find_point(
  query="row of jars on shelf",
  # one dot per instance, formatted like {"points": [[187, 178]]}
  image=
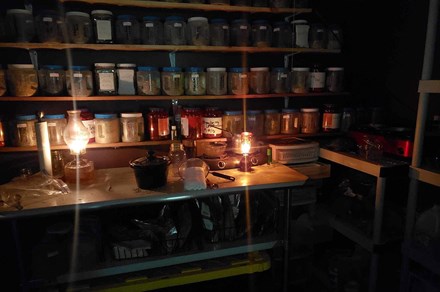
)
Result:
{"points": [[128, 79], [195, 123], [101, 27], [255, 3]]}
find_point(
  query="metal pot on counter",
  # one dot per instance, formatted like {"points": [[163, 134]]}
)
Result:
{"points": [[150, 171]]}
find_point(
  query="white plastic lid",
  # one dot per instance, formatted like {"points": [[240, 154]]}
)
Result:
{"points": [[77, 13], [260, 69], [197, 19], [302, 69], [310, 110], [104, 64], [216, 69], [126, 65], [335, 69], [102, 12], [18, 11], [21, 66], [131, 115]]}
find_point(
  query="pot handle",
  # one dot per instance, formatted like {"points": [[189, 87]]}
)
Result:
{"points": [[228, 177]]}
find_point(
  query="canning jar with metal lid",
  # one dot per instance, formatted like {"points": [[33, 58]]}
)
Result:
{"points": [[279, 80], [132, 127], [271, 122], [55, 127], [127, 29], [219, 32], [107, 128], [232, 122], [259, 80], [331, 118], [212, 122], [148, 80], [240, 33], [317, 79], [52, 79], [261, 33], [191, 123], [20, 25], [105, 79], [290, 121], [25, 130], [79, 81], [310, 120], [103, 26], [195, 81], [282, 35], [238, 80], [254, 122], [198, 31], [151, 30], [79, 27], [174, 30], [22, 79], [158, 124], [173, 81], [126, 73], [335, 79], [217, 80], [49, 26]]}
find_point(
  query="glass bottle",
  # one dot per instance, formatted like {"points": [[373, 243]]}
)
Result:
{"points": [[177, 154]]}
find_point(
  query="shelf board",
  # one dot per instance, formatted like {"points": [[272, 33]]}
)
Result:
{"points": [[191, 6], [425, 175], [429, 86], [167, 48]]}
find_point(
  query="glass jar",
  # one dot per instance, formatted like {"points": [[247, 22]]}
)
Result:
{"points": [[271, 122], [79, 27], [335, 79], [158, 124], [300, 33], [2, 81], [52, 80], [191, 123], [103, 26], [318, 36], [79, 81], [347, 119], [331, 118], [174, 31], [106, 128], [317, 79], [25, 130], [132, 127], [238, 81], [216, 81], [126, 73], [300, 79], [279, 3], [88, 120], [279, 80], [198, 31], [240, 33], [49, 26], [195, 81], [233, 122], [22, 79], [148, 81], [260, 3], [335, 37], [219, 32], [55, 127], [127, 29], [309, 120], [282, 35], [20, 25], [172, 81], [151, 30], [259, 80], [261, 33], [254, 122], [212, 123], [105, 79], [290, 121]]}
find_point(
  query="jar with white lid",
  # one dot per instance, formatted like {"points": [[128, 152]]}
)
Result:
{"points": [[195, 81], [279, 80], [290, 121], [216, 80], [238, 80], [79, 27], [79, 81], [103, 26], [300, 32], [151, 30], [173, 81], [254, 122], [25, 130], [132, 127], [232, 122], [260, 80], [126, 73], [174, 30], [148, 80], [240, 33], [22, 79], [300, 79], [55, 127], [261, 33], [219, 32], [282, 35], [198, 31], [52, 80], [20, 25], [105, 79], [335, 79], [106, 128], [127, 29], [271, 122], [49, 26], [310, 120]]}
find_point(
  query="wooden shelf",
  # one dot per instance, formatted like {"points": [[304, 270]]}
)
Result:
{"points": [[425, 175], [191, 6], [429, 86]]}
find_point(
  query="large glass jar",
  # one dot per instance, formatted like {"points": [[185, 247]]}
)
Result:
{"points": [[300, 79], [271, 122], [232, 122], [212, 123], [105, 79], [151, 30], [79, 27], [2, 81], [331, 118], [52, 79], [132, 127], [127, 29], [335, 37], [261, 33], [107, 128], [148, 81], [25, 130], [103, 26], [158, 124], [217, 81], [309, 120], [174, 31], [49, 26], [219, 32], [282, 35], [22, 79], [195, 81], [279, 80], [172, 81], [290, 121], [259, 80], [126, 73], [55, 127], [198, 31], [20, 25], [191, 123], [240, 33], [318, 36], [335, 79], [254, 122], [238, 81], [79, 81]]}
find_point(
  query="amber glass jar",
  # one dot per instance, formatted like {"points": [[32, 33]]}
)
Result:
{"points": [[191, 123], [158, 124]]}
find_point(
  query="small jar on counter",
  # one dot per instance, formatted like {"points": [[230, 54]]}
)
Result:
{"points": [[259, 80], [103, 26], [25, 130], [151, 30], [79, 27], [174, 30], [279, 80], [261, 33], [191, 123], [79, 81], [219, 32], [22, 79], [238, 81], [132, 127], [127, 29], [309, 120], [105, 79], [49, 26], [195, 81], [52, 80], [212, 123], [216, 81], [300, 79], [173, 81], [254, 122], [20, 25], [335, 79], [271, 122], [282, 35], [290, 121], [198, 31], [126, 73], [240, 33], [331, 118], [55, 127], [317, 79], [106, 128], [233, 122], [158, 124], [148, 81]]}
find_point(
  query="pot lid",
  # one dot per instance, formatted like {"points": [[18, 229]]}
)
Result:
{"points": [[149, 161]]}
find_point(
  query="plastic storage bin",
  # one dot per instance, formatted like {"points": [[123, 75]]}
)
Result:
{"points": [[195, 81], [22, 79], [52, 80], [106, 128], [79, 27], [148, 81], [260, 80], [151, 30], [216, 81], [240, 33], [219, 32], [127, 29], [79, 81], [238, 80], [20, 25], [103, 26], [261, 33], [174, 31], [24, 130], [197, 31], [132, 127], [49, 26], [55, 127], [173, 81]]}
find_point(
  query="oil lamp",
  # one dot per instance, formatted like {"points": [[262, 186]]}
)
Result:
{"points": [[76, 137], [245, 145]]}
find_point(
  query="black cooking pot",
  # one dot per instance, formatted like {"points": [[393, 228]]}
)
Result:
{"points": [[150, 171]]}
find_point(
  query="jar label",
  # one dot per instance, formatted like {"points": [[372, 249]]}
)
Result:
{"points": [[90, 125], [104, 30], [163, 126], [149, 25], [317, 80], [195, 75], [126, 23], [212, 125], [283, 75], [263, 27], [55, 75], [77, 75], [185, 126], [276, 29], [242, 75], [252, 118], [106, 82], [21, 126], [177, 25], [225, 27], [243, 27], [47, 19], [51, 124]]}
